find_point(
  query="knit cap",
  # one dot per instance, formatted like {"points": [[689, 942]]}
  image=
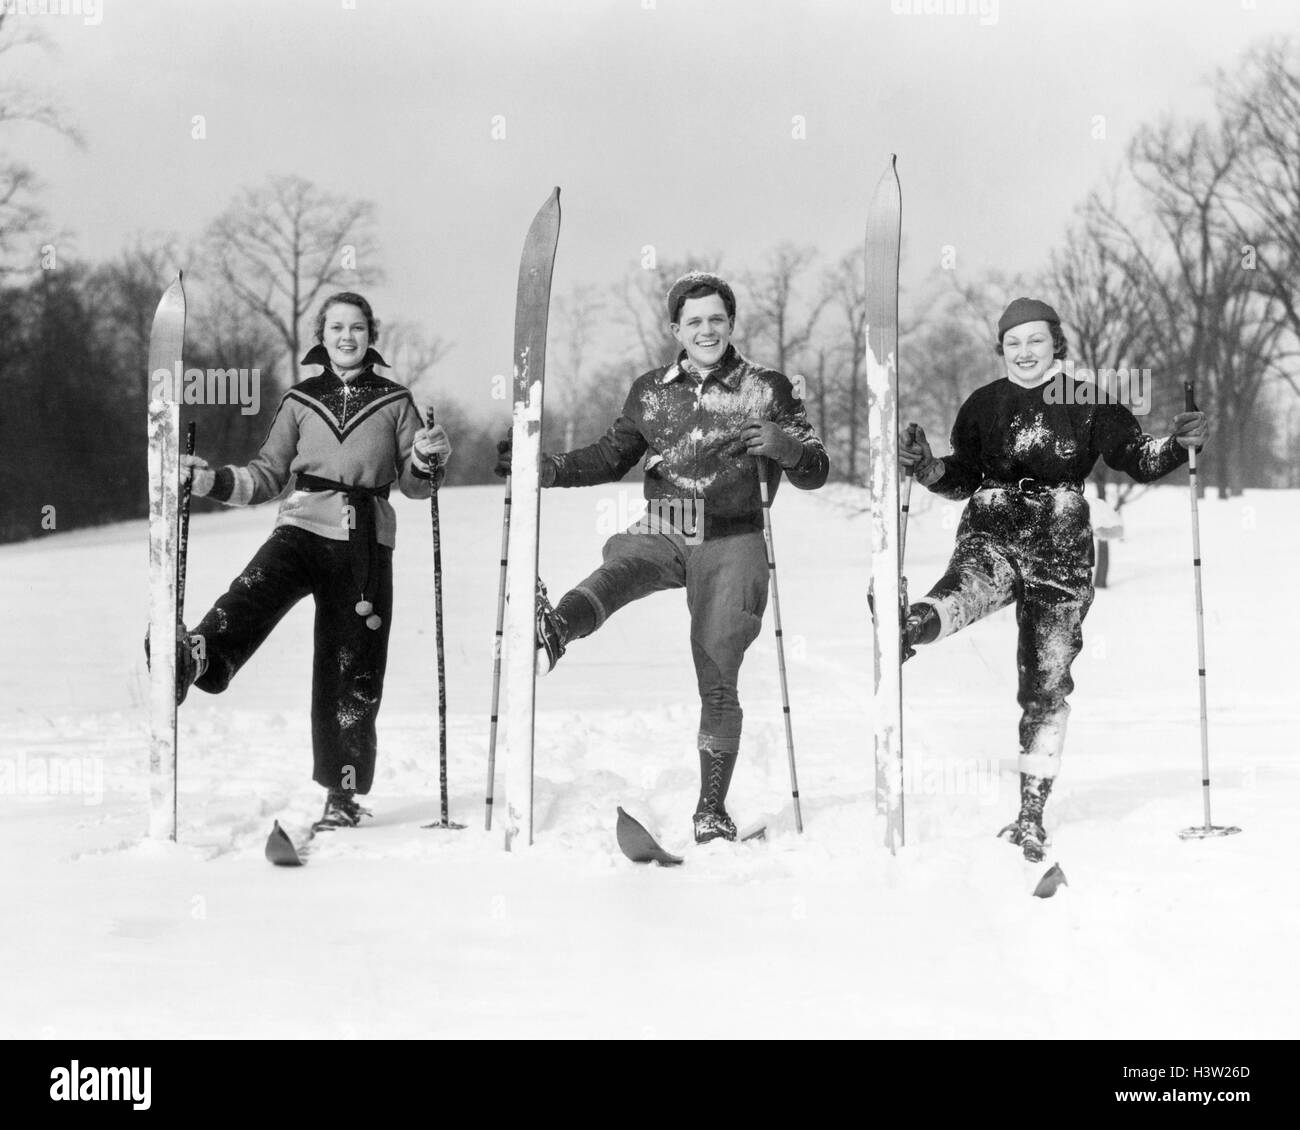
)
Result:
{"points": [[1026, 310], [692, 279]]}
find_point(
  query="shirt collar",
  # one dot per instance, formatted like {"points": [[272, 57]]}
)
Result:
{"points": [[727, 369]]}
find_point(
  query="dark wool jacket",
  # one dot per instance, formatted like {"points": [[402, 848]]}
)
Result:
{"points": [[689, 431], [359, 433], [1009, 440]]}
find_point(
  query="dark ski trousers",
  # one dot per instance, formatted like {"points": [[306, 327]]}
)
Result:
{"points": [[1039, 556], [726, 593], [348, 669]]}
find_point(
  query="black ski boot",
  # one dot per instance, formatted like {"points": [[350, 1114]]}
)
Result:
{"points": [[342, 810], [711, 819], [1027, 831], [191, 661], [920, 625], [551, 634]]}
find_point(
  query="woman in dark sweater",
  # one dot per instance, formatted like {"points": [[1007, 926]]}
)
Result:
{"points": [[1022, 448]]}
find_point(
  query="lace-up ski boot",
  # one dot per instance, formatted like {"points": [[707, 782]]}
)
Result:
{"points": [[711, 819], [920, 625], [551, 633], [1027, 831], [191, 661], [342, 810]]}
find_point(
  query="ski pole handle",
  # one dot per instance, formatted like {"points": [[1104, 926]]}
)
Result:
{"points": [[1189, 405], [436, 461]]}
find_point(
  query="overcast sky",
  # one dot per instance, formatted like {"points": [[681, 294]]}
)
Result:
{"points": [[665, 122]]}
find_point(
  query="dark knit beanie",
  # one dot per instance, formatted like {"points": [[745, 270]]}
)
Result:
{"points": [[1026, 310], [688, 282]]}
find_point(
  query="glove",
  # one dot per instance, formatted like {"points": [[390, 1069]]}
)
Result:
{"points": [[914, 453], [766, 439], [546, 470], [502, 469], [1191, 429], [431, 448], [198, 474]]}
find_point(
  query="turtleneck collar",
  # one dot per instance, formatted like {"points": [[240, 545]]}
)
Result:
{"points": [[319, 355]]}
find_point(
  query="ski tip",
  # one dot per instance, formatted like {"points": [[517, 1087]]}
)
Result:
{"points": [[628, 826], [639, 845], [280, 849], [1053, 879]]}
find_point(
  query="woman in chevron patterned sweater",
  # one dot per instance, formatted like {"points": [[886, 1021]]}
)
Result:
{"points": [[344, 438]]}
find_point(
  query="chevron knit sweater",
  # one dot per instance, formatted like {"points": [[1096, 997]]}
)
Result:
{"points": [[358, 432]]}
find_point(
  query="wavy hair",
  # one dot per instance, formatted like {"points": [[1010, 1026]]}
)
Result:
{"points": [[1060, 346], [347, 298]]}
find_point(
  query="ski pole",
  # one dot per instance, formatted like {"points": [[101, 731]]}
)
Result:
{"points": [[902, 521], [902, 551], [496, 656], [445, 822], [1198, 832], [780, 644], [182, 559], [182, 555]]}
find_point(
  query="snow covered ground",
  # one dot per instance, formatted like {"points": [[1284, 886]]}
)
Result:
{"points": [[394, 930]]}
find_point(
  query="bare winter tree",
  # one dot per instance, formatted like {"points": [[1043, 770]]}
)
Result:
{"points": [[943, 358], [577, 316], [126, 290], [845, 294], [1202, 312], [779, 320], [283, 247], [20, 101], [1105, 322], [946, 349], [414, 356], [223, 333], [1262, 108]]}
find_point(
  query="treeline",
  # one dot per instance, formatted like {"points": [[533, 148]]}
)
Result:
{"points": [[74, 346], [1185, 266]]}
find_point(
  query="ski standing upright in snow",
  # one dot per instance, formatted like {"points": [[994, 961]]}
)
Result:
{"points": [[532, 310], [884, 231], [166, 347]]}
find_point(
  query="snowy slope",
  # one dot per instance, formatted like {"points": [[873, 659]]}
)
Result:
{"points": [[442, 933]]}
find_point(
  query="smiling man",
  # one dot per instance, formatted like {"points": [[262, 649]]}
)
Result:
{"points": [[708, 425]]}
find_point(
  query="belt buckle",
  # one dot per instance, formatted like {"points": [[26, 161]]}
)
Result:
{"points": [[690, 520]]}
